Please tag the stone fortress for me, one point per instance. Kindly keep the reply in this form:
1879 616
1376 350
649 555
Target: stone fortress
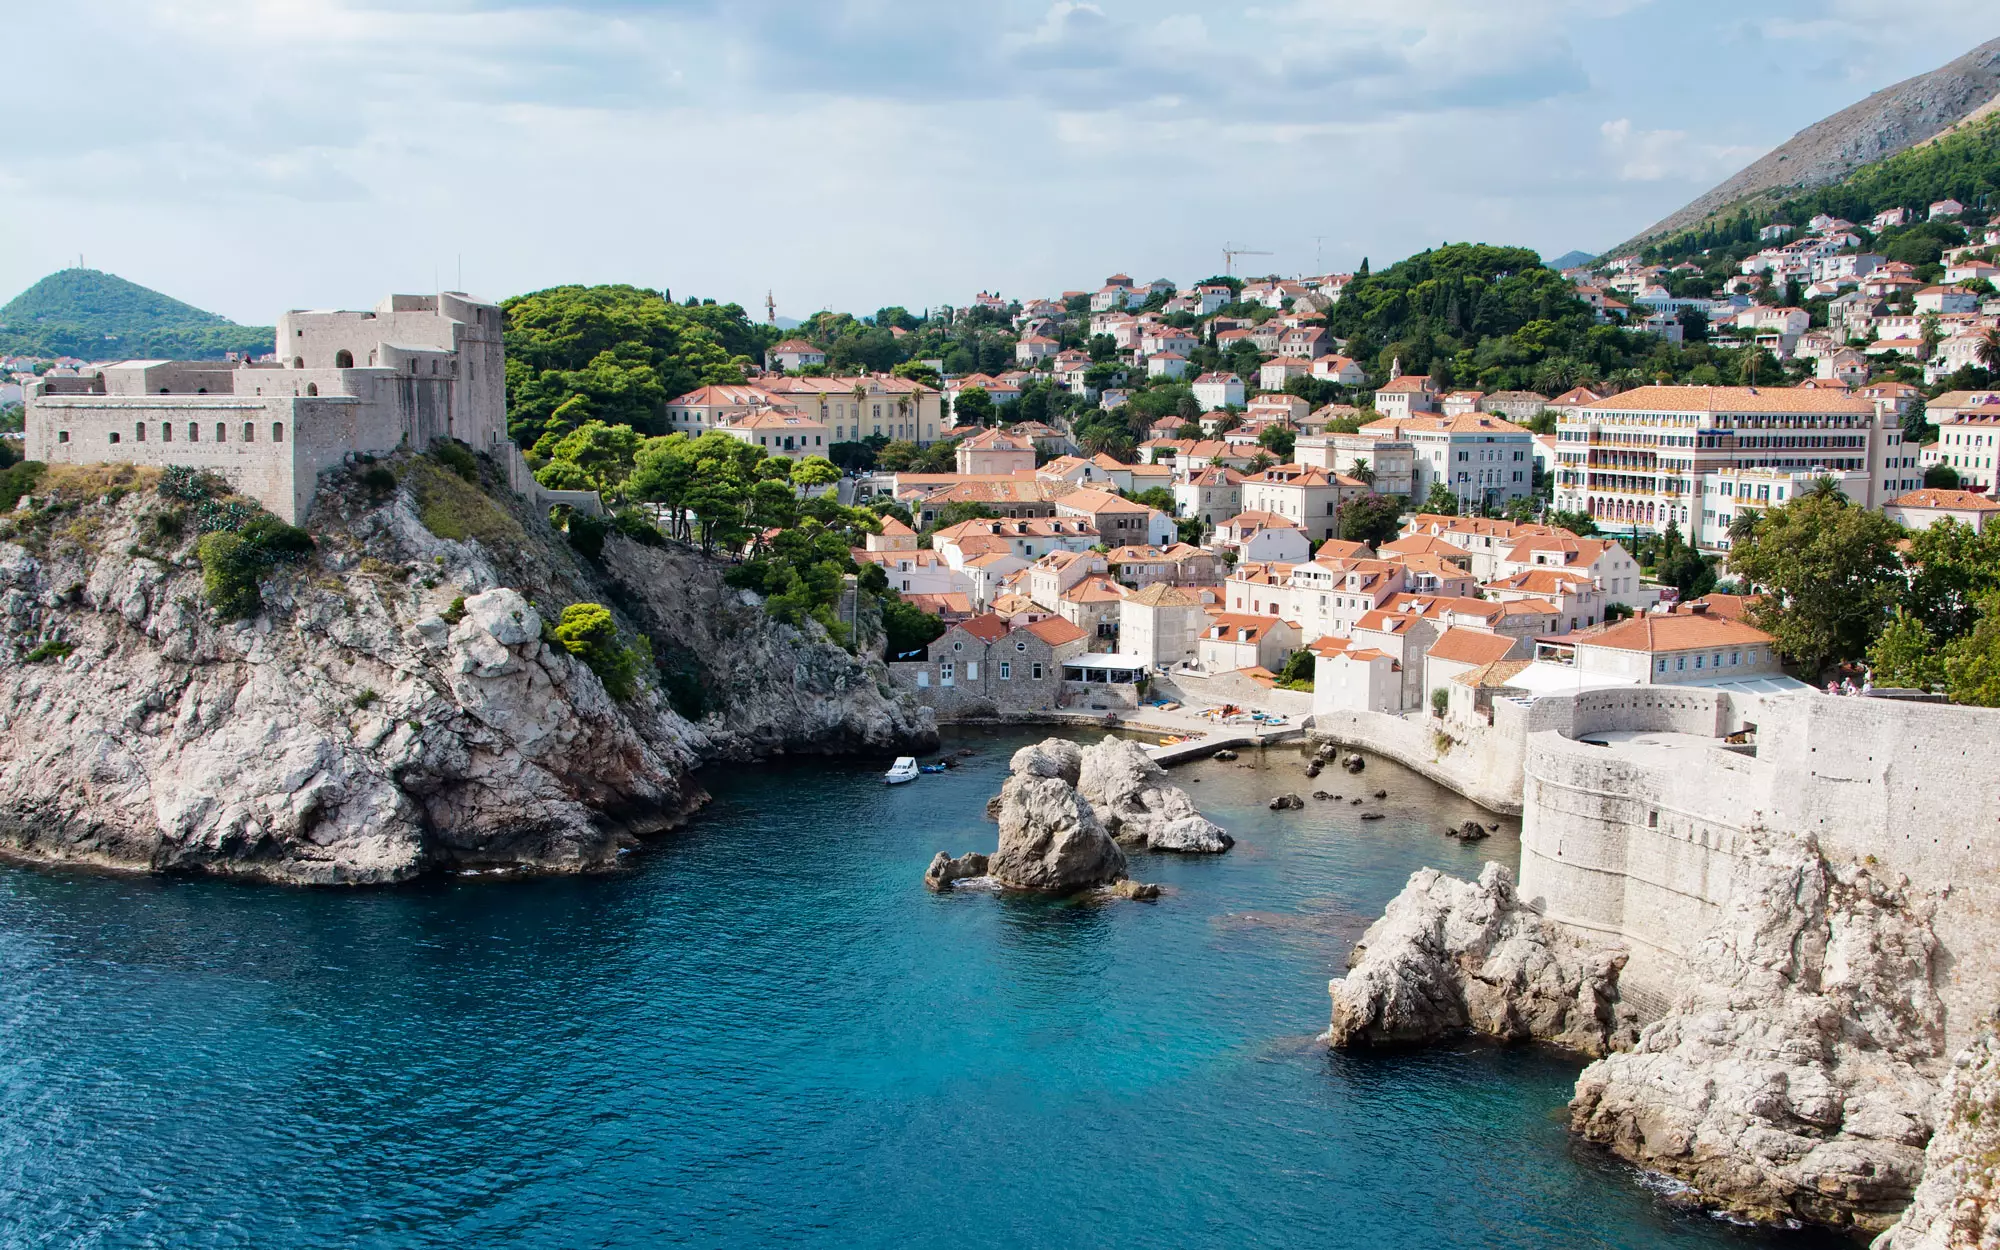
1640 805
416 369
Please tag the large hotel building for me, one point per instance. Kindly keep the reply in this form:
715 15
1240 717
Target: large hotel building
1697 455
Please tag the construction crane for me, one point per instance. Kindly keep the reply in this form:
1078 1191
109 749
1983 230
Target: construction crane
1229 255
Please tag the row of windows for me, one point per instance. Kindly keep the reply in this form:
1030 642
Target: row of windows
948 672
166 430
1681 662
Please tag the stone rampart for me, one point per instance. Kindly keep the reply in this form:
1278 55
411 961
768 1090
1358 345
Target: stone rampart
1640 841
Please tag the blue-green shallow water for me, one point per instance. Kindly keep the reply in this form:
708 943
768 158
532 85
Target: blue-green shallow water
768 1033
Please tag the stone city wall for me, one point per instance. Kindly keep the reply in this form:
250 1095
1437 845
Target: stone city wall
1641 842
78 430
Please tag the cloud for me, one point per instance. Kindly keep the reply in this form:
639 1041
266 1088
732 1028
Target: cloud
863 152
1670 155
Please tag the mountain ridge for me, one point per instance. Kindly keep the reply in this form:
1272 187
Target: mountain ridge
1892 120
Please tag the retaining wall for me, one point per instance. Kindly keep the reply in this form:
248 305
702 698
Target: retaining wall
1482 764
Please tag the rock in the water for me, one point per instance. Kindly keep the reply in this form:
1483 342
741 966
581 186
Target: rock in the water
1793 1077
1381 794
1470 831
1051 757
1225 754
1287 803
1374 816
1313 767
1139 891
1051 840
1451 956
1957 1205
1321 795
945 870
1354 763
1129 792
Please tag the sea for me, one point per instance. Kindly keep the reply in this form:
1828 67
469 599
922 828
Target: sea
764 1031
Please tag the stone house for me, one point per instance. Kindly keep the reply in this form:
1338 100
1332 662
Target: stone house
1230 641
996 452
984 667
1092 606
1162 623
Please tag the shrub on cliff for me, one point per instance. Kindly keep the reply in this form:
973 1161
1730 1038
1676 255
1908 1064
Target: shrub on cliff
587 632
232 563
18 480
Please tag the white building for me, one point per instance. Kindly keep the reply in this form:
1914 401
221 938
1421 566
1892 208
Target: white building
1218 390
1476 455
1637 460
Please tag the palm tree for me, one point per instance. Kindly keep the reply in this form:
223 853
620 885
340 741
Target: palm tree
1742 526
1824 487
1362 472
1988 351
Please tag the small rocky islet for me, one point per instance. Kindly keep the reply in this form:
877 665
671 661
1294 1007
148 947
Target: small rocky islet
1066 813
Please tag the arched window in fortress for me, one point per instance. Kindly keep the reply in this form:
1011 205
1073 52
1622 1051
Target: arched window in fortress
221 432
194 432
277 431
139 432
298 362
312 388
166 431
249 432
343 359
114 436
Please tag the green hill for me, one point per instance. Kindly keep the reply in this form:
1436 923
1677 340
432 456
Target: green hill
1963 164
96 315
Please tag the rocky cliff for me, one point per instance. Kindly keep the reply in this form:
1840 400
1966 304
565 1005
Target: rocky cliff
1957 1207
1887 122
1792 1079
395 706
1451 957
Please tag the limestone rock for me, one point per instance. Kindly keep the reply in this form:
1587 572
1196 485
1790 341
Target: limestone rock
1957 1205
1051 757
944 870
1050 839
348 734
1792 1079
1289 803
1129 792
1450 957
1138 891
1354 763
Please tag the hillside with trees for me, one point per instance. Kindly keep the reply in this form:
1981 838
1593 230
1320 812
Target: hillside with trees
1496 318
1963 166
616 355
100 316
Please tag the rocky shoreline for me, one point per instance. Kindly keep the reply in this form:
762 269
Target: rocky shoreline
1792 1079
395 708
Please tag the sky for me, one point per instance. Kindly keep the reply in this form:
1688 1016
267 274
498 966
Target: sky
249 156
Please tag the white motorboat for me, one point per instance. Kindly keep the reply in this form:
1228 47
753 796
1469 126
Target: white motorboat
904 770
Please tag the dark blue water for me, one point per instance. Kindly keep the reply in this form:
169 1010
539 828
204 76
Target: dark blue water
768 1033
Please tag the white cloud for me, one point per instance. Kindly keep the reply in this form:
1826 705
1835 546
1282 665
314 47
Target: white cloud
257 154
1670 155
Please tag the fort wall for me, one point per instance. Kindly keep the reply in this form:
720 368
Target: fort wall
1641 841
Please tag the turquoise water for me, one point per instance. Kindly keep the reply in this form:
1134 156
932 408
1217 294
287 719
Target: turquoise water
768 1033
